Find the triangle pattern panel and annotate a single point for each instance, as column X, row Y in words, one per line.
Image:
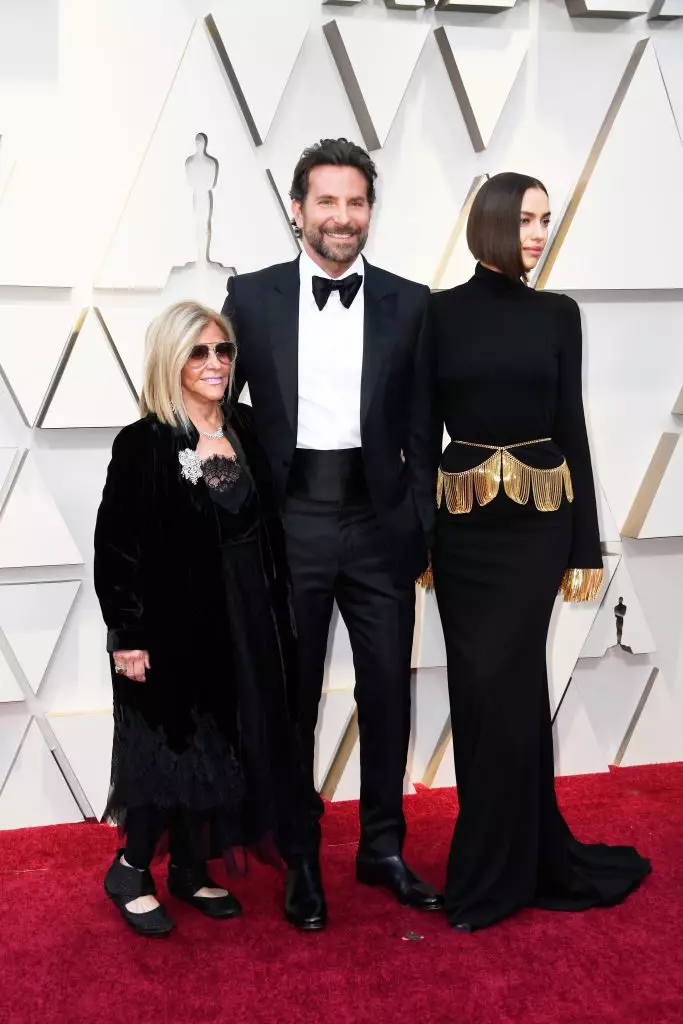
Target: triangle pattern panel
column 259, row 48
column 483, row 66
column 668, row 9
column 445, row 776
column 430, row 715
column 429, row 649
column 665, row 516
column 92, row 390
column 621, row 599
column 570, row 625
column 10, row 691
column 32, row 529
column 49, row 328
column 348, row 786
column 86, row 741
column 641, row 146
column 126, row 326
column 671, row 62
column 148, row 243
column 577, row 748
column 607, row 8
column 457, row 262
column 283, row 202
column 35, row 792
column 609, row 531
column 8, row 465
column 334, row 713
column 610, row 690
column 32, row 617
column 657, row 736
column 375, row 88
column 14, row 722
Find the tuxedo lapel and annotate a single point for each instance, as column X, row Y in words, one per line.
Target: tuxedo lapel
column 283, row 314
column 380, row 313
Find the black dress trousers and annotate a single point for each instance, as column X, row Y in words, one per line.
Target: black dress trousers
column 336, row 551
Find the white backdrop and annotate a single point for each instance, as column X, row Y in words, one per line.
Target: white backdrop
column 103, row 221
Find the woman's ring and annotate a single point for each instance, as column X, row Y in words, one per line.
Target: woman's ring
column 119, row 668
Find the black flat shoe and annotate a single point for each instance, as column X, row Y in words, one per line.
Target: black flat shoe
column 183, row 883
column 123, row 884
column 393, row 873
column 305, row 905
column 463, row 926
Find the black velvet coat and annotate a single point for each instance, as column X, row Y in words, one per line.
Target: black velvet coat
column 158, row 576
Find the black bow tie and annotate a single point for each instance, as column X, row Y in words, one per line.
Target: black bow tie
column 347, row 287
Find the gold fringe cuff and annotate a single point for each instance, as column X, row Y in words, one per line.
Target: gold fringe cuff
column 519, row 480
column 581, row 584
column 426, row 578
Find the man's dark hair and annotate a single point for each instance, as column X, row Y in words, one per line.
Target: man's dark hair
column 493, row 223
column 338, row 153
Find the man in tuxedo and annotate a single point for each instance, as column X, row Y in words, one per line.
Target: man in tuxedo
column 328, row 346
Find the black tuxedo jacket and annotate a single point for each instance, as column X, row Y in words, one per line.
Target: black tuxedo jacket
column 264, row 309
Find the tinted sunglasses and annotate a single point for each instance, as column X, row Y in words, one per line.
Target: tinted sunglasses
column 224, row 351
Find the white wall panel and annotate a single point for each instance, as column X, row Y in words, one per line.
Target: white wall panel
column 10, row 690
column 86, row 741
column 46, row 329
column 32, row 530
column 643, row 148
column 483, row 66
column 149, row 243
column 32, row 618
column 261, row 52
column 35, row 792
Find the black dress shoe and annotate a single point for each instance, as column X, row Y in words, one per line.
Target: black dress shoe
column 183, row 883
column 394, row 874
column 463, row 926
column 305, row 905
column 124, row 884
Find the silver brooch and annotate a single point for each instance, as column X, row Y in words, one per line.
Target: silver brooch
column 190, row 465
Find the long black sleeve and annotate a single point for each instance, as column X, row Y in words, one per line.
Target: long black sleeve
column 118, row 534
column 570, row 434
column 426, row 426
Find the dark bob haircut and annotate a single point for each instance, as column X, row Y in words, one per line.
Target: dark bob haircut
column 335, row 152
column 493, row 223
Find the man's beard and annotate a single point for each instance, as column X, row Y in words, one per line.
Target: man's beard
column 344, row 252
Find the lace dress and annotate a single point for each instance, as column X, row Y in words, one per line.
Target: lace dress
column 226, row 753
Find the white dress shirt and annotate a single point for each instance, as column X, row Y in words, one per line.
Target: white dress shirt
column 330, row 363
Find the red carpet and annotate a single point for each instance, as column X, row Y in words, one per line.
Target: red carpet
column 66, row 956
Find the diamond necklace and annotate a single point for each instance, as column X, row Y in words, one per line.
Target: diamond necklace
column 213, row 437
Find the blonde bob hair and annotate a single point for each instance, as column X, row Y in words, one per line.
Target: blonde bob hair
column 169, row 340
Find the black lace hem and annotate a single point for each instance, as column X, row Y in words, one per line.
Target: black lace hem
column 145, row 770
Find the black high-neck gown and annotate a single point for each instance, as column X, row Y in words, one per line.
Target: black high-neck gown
column 506, row 369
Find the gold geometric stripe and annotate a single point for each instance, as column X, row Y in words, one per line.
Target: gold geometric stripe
column 438, row 755
column 647, row 492
column 341, row 757
column 623, row 746
column 591, row 162
column 457, row 230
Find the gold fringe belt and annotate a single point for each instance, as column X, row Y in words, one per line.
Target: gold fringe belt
column 519, row 481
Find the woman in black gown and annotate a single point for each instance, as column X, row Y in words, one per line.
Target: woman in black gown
column 191, row 576
column 516, row 523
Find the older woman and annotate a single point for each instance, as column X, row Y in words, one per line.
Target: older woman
column 191, row 578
